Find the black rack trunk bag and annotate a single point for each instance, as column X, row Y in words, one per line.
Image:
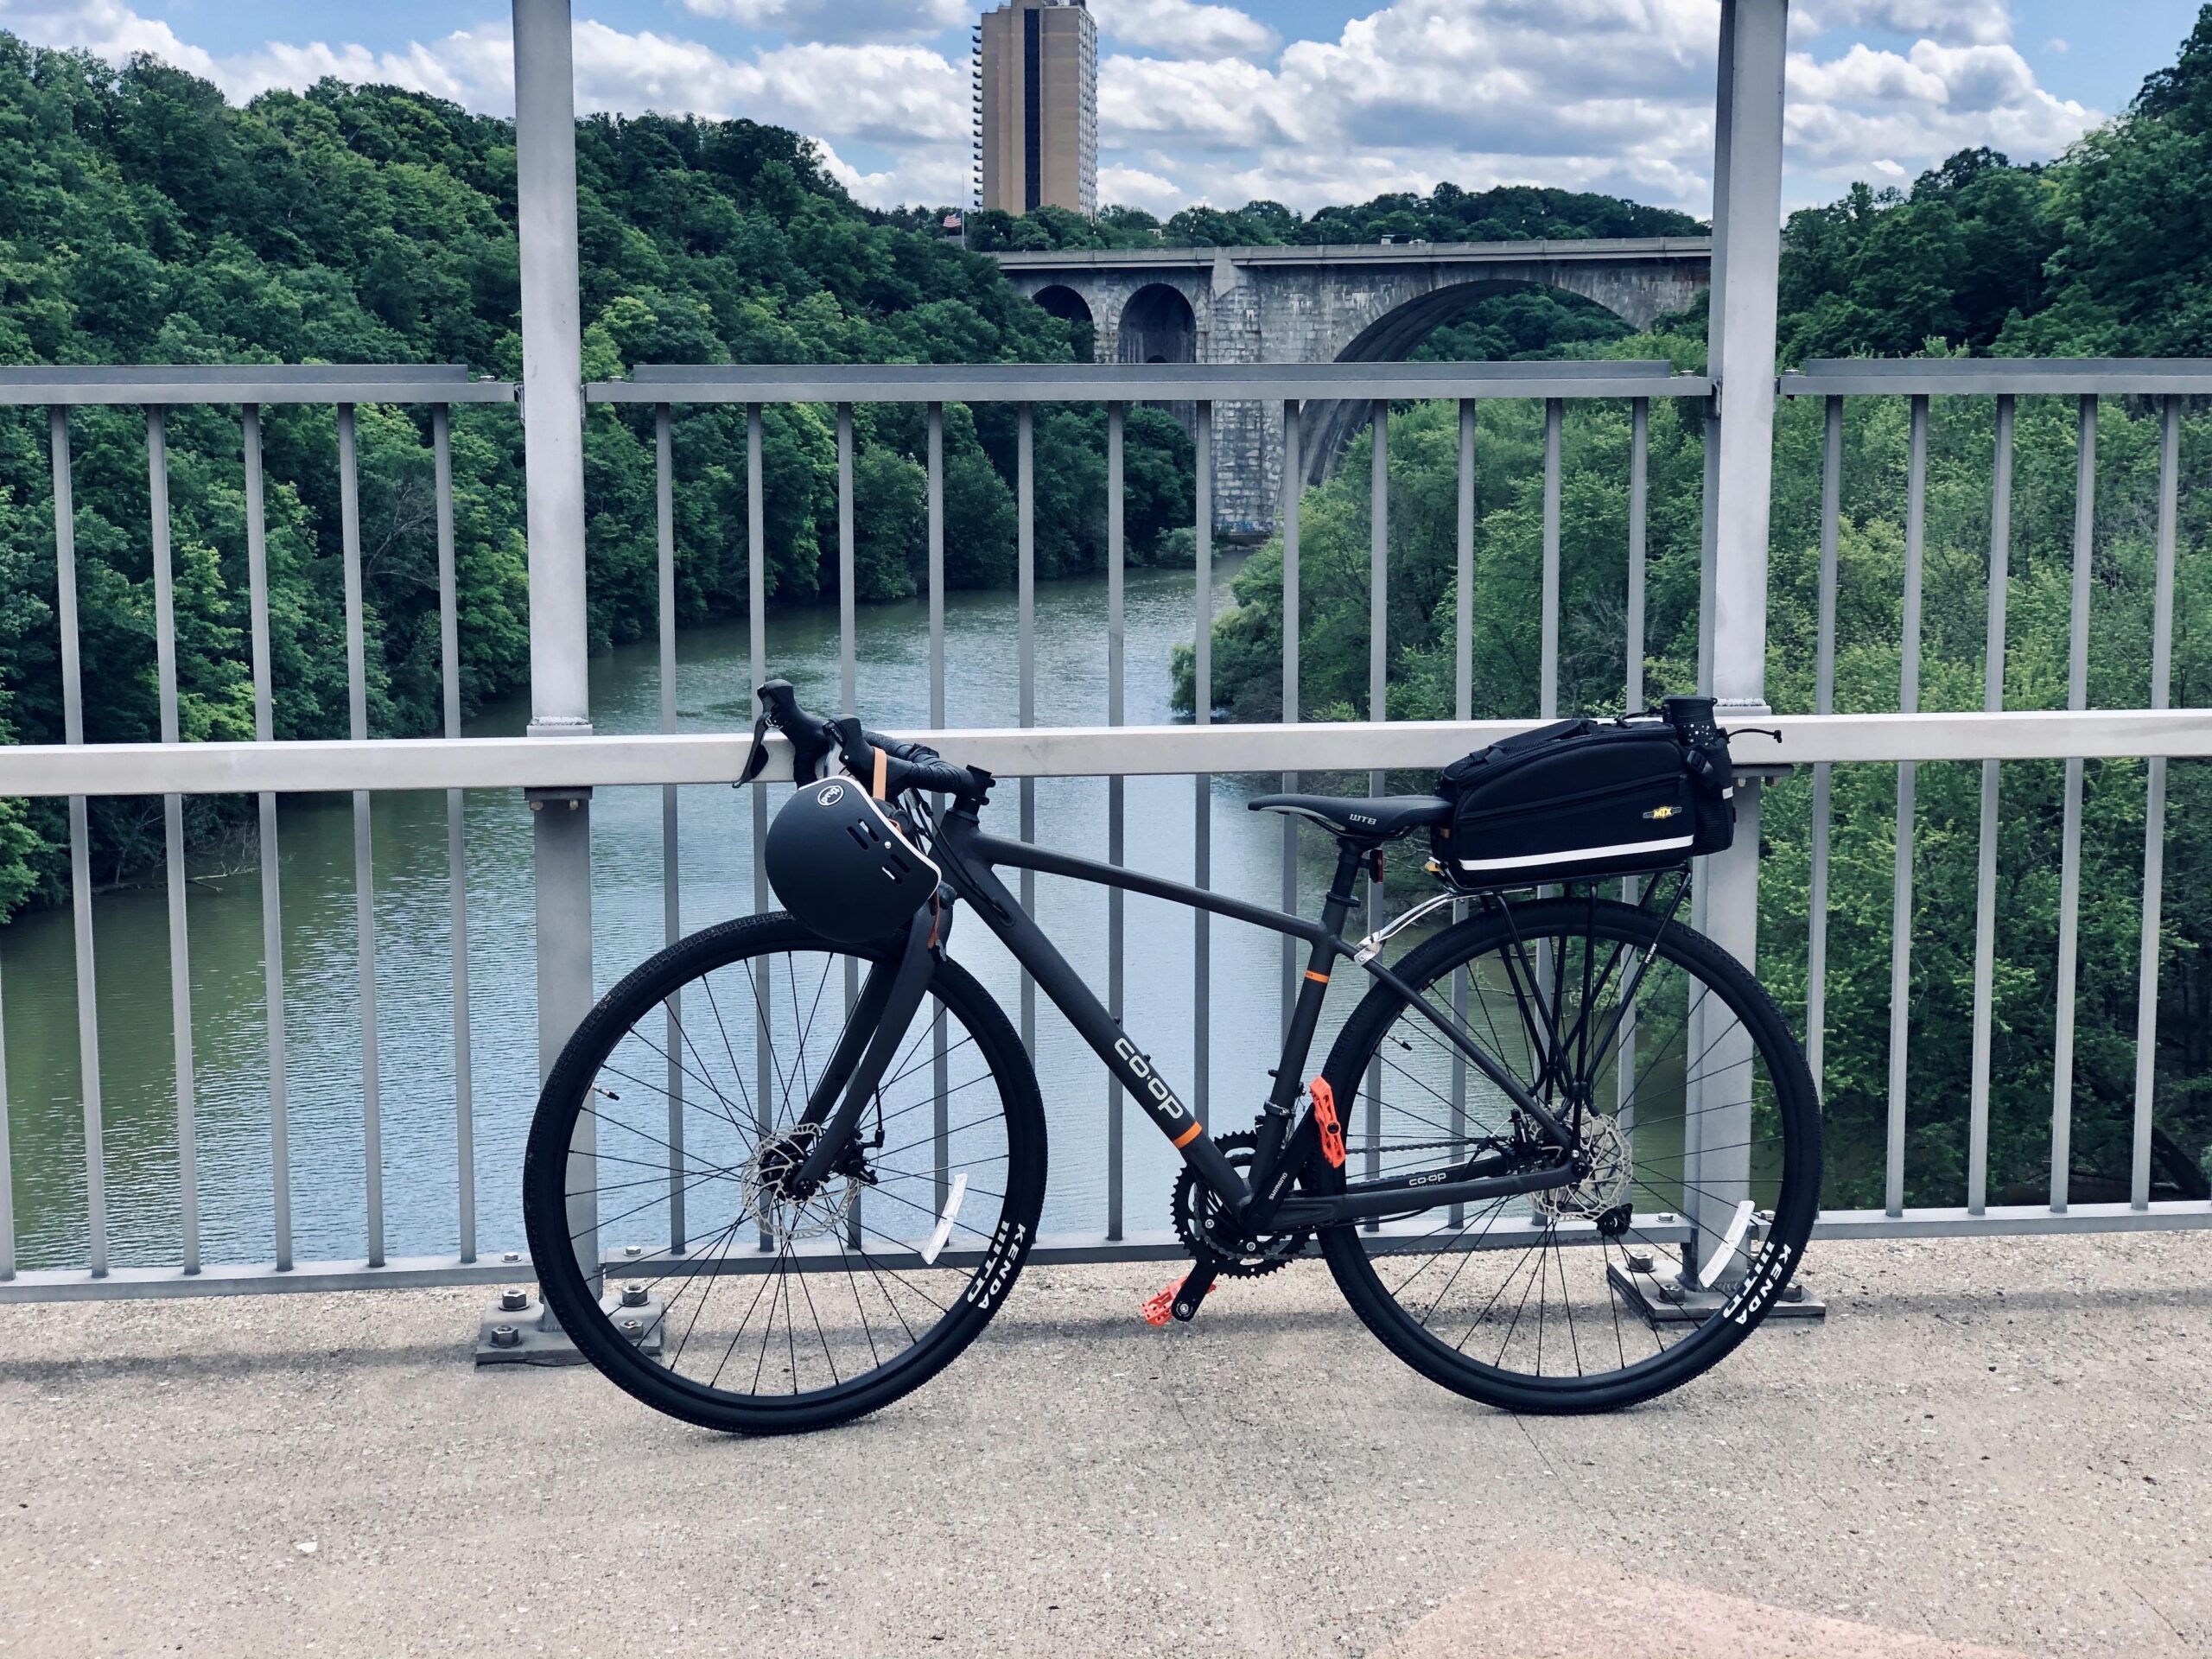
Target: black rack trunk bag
column 1588, row 797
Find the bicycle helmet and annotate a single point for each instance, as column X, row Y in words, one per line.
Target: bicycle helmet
column 843, row 865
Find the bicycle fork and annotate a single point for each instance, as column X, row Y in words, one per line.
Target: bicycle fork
column 889, row 999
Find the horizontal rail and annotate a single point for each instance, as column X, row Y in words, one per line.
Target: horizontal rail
column 513, row 1266
column 1969, row 377
column 1057, row 751
column 2014, row 1220
column 926, row 383
column 1609, row 250
column 249, row 383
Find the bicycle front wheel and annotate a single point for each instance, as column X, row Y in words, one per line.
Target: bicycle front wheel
column 1697, row 1150
column 745, row 1306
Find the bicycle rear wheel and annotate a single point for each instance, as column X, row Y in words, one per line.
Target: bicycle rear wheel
column 752, row 1309
column 1698, row 1131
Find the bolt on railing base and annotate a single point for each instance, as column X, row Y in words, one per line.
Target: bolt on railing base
column 517, row 1331
column 1654, row 1291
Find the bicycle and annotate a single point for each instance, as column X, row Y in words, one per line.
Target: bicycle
column 1545, row 1089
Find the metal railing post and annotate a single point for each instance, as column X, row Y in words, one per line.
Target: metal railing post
column 552, row 402
column 1747, row 200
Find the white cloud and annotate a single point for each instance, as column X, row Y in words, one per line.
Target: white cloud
column 1611, row 95
column 840, row 20
column 1189, row 27
column 112, row 31
column 1133, row 186
column 1608, row 95
column 1970, row 23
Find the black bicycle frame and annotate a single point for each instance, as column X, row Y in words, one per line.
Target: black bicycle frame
column 972, row 860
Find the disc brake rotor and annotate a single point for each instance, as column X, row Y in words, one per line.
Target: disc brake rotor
column 760, row 1191
column 1603, row 1188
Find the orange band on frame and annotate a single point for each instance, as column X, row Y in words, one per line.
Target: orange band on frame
column 1189, row 1135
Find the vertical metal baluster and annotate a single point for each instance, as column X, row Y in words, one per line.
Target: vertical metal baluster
column 80, row 844
column 1639, row 521
column 464, row 1077
column 1548, row 696
column 272, row 913
column 7, row 1178
column 1292, row 466
column 1026, row 653
column 940, row 1065
column 847, row 688
column 1202, row 811
column 1117, row 789
column 1378, row 640
column 848, row 682
column 1985, row 901
column 1547, row 657
column 157, row 490
column 2154, row 812
column 1463, row 708
column 756, row 611
column 1816, row 919
column 364, row 916
column 671, row 872
column 2070, row 879
column 1916, row 539
column 1708, row 551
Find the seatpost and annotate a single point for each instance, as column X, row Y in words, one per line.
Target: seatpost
column 1270, row 1186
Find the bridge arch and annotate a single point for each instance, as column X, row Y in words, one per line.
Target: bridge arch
column 1059, row 300
column 1393, row 326
column 1158, row 326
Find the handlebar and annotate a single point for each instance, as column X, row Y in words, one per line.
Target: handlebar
column 904, row 766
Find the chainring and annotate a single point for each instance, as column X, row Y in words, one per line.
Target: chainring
column 1208, row 1232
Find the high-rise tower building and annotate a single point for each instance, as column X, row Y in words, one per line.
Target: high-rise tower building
column 1036, row 106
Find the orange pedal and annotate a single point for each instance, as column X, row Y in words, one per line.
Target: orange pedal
column 1160, row 1309
column 1324, row 1119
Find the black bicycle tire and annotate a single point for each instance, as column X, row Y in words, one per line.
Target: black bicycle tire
column 544, row 1178
column 1795, row 1099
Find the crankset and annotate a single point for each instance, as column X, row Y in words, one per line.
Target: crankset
column 1211, row 1234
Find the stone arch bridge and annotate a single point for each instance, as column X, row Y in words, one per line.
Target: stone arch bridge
column 1365, row 303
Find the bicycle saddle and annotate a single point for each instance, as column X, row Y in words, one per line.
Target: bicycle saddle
column 1390, row 817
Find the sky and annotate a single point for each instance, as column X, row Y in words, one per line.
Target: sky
column 1305, row 101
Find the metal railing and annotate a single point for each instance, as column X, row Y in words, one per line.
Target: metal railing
column 560, row 762
column 124, row 771
column 2153, row 734
column 1025, row 753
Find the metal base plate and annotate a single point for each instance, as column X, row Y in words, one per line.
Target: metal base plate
column 531, row 1336
column 1662, row 1299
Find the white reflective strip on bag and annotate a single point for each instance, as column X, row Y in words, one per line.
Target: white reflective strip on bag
column 1581, row 856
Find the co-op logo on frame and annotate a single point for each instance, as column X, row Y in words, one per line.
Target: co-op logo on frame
column 1162, row 1096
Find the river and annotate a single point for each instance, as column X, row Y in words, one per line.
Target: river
column 415, row 1050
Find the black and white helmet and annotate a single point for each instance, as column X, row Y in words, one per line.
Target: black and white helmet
column 844, row 866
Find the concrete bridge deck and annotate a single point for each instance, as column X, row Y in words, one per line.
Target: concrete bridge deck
column 1995, row 1441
